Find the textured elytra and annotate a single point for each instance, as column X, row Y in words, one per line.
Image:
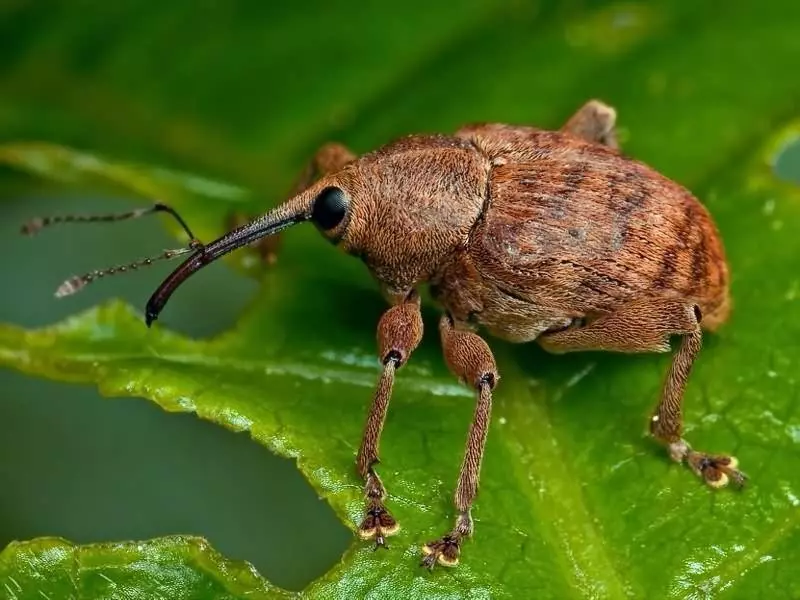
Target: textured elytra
column 578, row 228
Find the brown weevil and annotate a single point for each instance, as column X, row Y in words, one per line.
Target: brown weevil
column 553, row 236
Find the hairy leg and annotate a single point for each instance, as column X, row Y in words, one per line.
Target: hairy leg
column 470, row 358
column 399, row 333
column 646, row 326
column 594, row 122
column 329, row 158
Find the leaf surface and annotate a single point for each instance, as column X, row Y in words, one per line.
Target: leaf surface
column 576, row 501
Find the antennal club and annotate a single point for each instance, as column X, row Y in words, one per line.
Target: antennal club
column 78, row 282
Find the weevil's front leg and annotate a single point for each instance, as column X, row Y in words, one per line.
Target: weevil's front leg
column 470, row 358
column 594, row 122
column 399, row 333
column 329, row 158
column 645, row 327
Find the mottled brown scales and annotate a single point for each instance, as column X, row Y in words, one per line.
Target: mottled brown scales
column 579, row 230
column 552, row 236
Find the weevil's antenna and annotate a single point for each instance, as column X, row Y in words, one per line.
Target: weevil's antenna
column 78, row 282
column 278, row 219
column 37, row 224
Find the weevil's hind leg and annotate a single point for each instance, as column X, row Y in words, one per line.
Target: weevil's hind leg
column 399, row 333
column 470, row 358
column 594, row 122
column 646, row 326
column 36, row 224
column 666, row 424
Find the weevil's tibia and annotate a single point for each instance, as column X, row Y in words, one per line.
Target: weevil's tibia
column 35, row 225
column 78, row 282
column 717, row 470
column 378, row 523
column 651, row 322
column 468, row 356
column 399, row 333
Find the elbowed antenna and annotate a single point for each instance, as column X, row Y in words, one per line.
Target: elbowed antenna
column 35, row 225
column 288, row 214
column 78, row 282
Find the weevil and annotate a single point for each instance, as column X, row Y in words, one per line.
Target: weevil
column 529, row 234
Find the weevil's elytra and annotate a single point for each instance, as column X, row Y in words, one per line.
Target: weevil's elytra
column 552, row 236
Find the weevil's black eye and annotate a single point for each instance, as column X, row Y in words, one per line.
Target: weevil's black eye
column 330, row 207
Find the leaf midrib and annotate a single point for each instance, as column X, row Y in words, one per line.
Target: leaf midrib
column 590, row 568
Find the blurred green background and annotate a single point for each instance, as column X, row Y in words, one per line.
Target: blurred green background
column 243, row 92
column 77, row 466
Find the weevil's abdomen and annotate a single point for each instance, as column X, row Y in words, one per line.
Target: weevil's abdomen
column 574, row 230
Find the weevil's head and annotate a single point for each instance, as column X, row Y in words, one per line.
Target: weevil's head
column 402, row 209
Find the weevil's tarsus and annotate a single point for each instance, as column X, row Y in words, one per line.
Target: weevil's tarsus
column 447, row 549
column 399, row 333
column 35, row 225
column 78, row 282
column 717, row 470
column 378, row 523
column 468, row 356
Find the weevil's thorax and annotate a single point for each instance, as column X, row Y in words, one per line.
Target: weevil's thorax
column 414, row 203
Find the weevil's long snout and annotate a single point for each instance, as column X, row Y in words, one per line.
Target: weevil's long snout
column 285, row 215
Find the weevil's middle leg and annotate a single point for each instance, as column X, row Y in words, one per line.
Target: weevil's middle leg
column 399, row 333
column 470, row 358
column 645, row 326
column 594, row 122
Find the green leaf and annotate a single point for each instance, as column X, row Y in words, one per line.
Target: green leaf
column 576, row 501
column 178, row 568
